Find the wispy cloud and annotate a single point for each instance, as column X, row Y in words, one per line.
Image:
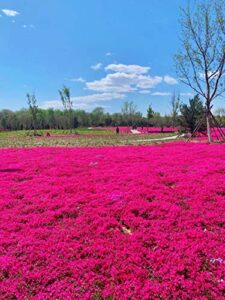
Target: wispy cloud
column 82, row 106
column 129, row 69
column 10, row 13
column 98, row 97
column 170, row 80
column 187, row 94
column 161, row 94
column 96, row 67
column 79, row 79
column 211, row 74
column 145, row 92
column 108, row 54
column 31, row 26
column 83, row 102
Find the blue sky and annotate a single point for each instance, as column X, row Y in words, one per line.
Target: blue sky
column 106, row 51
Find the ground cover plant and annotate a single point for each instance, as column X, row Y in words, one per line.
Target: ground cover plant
column 141, row 130
column 80, row 137
column 113, row 222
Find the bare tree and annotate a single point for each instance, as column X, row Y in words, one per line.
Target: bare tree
column 201, row 60
column 32, row 102
column 129, row 111
column 67, row 103
column 175, row 107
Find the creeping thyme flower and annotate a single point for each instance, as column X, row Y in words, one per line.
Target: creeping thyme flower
column 113, row 223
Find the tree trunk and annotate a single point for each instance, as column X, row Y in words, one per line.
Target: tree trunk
column 208, row 124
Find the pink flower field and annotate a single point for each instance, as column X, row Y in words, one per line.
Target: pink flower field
column 113, row 223
column 142, row 130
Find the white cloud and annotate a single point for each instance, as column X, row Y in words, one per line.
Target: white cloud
column 161, row 94
column 108, row 54
column 10, row 13
column 79, row 79
column 170, row 80
column 211, row 74
column 113, row 83
column 83, row 106
column 122, row 82
column 51, row 104
column 145, row 92
column 96, row 67
column 148, row 82
column 84, row 102
column 31, row 26
column 187, row 94
column 124, row 79
column 129, row 69
column 98, row 97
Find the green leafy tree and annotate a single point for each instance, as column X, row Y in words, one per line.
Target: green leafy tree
column 220, row 116
column 83, row 118
column 159, row 121
column 24, row 119
column 150, row 113
column 51, row 118
column 97, row 116
column 192, row 113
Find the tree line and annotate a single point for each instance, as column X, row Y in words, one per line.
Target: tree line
column 58, row 119
column 184, row 116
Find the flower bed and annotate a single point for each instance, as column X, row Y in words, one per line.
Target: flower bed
column 113, row 223
column 143, row 130
column 217, row 134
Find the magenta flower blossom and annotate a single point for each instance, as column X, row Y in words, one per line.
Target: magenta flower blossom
column 113, row 222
